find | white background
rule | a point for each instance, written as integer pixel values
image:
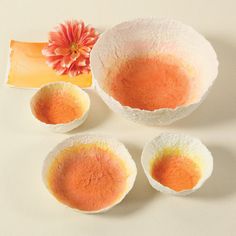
(27, 209)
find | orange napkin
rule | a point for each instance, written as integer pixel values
(28, 68)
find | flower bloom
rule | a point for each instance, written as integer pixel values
(69, 47)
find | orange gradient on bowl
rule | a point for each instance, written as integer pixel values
(87, 177)
(176, 172)
(149, 83)
(58, 108)
(59, 103)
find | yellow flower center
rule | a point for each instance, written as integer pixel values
(74, 48)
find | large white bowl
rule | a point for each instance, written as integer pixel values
(148, 37)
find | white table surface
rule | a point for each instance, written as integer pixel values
(27, 209)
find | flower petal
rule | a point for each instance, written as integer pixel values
(82, 63)
(84, 53)
(62, 51)
(57, 38)
(67, 61)
(53, 60)
(80, 30)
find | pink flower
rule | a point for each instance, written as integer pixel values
(69, 47)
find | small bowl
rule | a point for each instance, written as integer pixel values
(176, 164)
(94, 173)
(133, 50)
(60, 106)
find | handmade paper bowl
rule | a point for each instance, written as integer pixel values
(60, 106)
(176, 163)
(89, 173)
(174, 45)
